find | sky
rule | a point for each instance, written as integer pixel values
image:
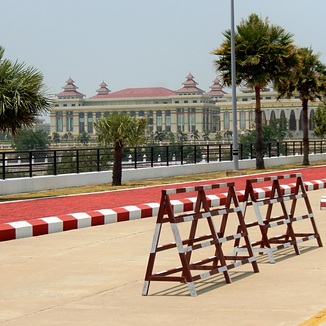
(139, 43)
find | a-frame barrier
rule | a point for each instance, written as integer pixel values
(217, 262)
(269, 244)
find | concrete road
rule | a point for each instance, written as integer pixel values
(94, 276)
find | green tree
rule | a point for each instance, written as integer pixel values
(83, 138)
(308, 78)
(263, 53)
(206, 135)
(319, 120)
(159, 136)
(228, 134)
(29, 140)
(218, 136)
(171, 137)
(195, 135)
(183, 137)
(56, 137)
(22, 95)
(120, 130)
(275, 132)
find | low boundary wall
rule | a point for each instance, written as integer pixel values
(39, 183)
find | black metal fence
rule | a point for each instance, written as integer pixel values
(20, 164)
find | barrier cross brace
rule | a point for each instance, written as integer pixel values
(269, 244)
(218, 262)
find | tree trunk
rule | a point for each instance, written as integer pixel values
(117, 166)
(259, 132)
(305, 126)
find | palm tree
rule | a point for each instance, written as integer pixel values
(263, 53)
(206, 135)
(195, 135)
(22, 95)
(120, 130)
(183, 137)
(159, 136)
(308, 78)
(83, 138)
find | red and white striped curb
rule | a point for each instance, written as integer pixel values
(52, 224)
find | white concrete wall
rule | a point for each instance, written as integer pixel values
(20, 185)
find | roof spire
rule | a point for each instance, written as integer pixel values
(103, 90)
(70, 90)
(190, 86)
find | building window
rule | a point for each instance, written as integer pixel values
(150, 120)
(141, 113)
(90, 122)
(251, 119)
(58, 122)
(226, 120)
(159, 121)
(192, 119)
(70, 121)
(81, 122)
(168, 120)
(292, 122)
(180, 120)
(242, 119)
(106, 113)
(98, 115)
(273, 117)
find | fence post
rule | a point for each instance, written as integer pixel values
(152, 156)
(77, 161)
(207, 153)
(55, 162)
(31, 162)
(135, 159)
(98, 160)
(4, 162)
(220, 152)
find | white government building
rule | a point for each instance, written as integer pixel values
(186, 109)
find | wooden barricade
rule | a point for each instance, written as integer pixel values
(271, 243)
(216, 261)
(323, 202)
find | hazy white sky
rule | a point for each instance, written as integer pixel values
(139, 43)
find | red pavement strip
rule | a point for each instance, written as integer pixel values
(20, 219)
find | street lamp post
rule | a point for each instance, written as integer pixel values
(235, 152)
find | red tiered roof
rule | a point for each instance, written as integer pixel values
(70, 90)
(216, 88)
(103, 90)
(190, 86)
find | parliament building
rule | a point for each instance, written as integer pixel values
(186, 109)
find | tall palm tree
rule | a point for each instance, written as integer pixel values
(22, 95)
(120, 130)
(263, 53)
(308, 79)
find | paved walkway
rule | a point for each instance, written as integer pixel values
(94, 276)
(32, 209)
